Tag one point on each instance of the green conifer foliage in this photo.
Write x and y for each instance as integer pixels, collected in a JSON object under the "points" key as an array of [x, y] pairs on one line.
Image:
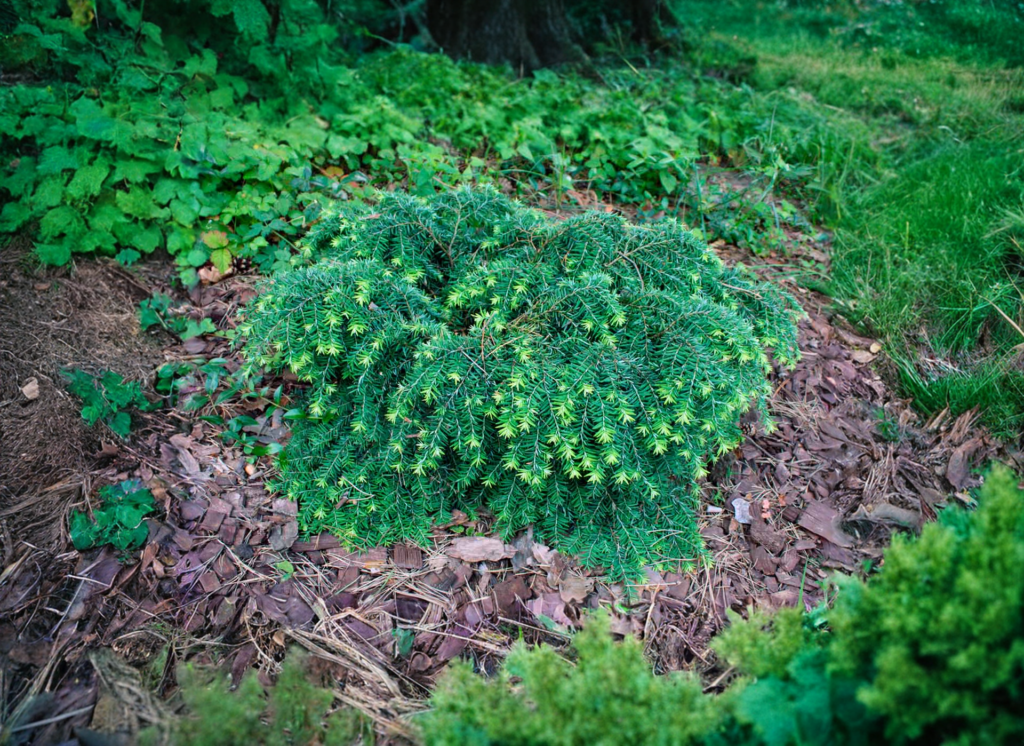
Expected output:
{"points": [[462, 351]]}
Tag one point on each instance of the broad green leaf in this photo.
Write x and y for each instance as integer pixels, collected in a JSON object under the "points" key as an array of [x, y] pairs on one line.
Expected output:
{"points": [[105, 214], [127, 257], [56, 159], [88, 180], [221, 259], [49, 192], [121, 424], [198, 328], [183, 212], [165, 190], [198, 256], [144, 238], [13, 216], [61, 220], [55, 254], [138, 203], [179, 240], [214, 239], [251, 18], [83, 532], [21, 181], [201, 64], [134, 170], [97, 240]]}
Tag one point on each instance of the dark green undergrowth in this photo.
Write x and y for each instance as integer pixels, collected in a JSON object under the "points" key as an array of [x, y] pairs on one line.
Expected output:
{"points": [[224, 136], [463, 351], [928, 651], [928, 241]]}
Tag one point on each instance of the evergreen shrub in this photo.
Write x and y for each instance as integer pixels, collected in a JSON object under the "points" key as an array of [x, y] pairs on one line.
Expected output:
{"points": [[293, 712], [928, 651], [609, 697], [461, 350]]}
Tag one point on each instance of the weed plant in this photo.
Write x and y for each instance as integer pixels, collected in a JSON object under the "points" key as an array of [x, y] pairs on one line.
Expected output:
{"points": [[107, 398], [150, 136], [118, 521]]}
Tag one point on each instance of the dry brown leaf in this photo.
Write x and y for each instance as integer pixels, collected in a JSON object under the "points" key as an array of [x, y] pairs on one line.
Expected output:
{"points": [[479, 549]]}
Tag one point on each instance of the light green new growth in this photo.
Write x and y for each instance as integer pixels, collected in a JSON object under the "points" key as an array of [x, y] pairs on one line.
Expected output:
{"points": [[462, 350]]}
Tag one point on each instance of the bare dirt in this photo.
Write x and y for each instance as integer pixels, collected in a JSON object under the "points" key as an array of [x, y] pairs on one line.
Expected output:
{"points": [[224, 575], [51, 321]]}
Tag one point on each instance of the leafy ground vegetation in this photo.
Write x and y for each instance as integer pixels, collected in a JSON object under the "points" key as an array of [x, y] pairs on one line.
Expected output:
{"points": [[870, 150]]}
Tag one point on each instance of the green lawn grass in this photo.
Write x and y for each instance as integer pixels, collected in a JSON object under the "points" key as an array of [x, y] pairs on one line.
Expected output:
{"points": [[928, 252]]}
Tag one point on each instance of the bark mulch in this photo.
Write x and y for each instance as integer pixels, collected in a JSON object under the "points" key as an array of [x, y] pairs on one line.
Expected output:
{"points": [[225, 576]]}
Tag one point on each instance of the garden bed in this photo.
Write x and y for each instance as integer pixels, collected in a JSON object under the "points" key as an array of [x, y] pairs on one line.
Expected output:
{"points": [[225, 574]]}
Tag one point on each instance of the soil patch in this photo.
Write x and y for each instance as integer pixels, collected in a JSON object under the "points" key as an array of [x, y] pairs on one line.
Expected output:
{"points": [[51, 320]]}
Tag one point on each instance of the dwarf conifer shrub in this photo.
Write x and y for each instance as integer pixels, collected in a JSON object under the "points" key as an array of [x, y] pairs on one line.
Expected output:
{"points": [[610, 697], [462, 350]]}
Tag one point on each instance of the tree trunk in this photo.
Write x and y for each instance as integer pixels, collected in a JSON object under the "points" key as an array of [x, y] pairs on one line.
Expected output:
{"points": [[528, 34]]}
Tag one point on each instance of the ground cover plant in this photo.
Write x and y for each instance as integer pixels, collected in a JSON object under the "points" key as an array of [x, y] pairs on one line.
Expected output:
{"points": [[928, 651], [873, 146], [107, 398], [118, 521], [462, 350], [147, 138]]}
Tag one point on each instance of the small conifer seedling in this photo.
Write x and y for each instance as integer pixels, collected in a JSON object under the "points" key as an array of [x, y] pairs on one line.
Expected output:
{"points": [[464, 351]]}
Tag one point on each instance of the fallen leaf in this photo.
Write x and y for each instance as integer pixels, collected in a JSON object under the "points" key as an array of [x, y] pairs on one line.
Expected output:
{"points": [[479, 549], [211, 275], [574, 589], [31, 389]]}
